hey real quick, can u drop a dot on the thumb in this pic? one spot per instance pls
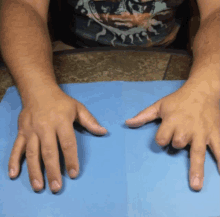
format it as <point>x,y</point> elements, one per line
<point>148,114</point>
<point>87,120</point>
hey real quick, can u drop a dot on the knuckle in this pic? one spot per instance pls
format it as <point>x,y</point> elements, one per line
<point>198,152</point>
<point>47,152</point>
<point>67,145</point>
<point>30,153</point>
<point>161,141</point>
<point>41,120</point>
<point>178,143</point>
<point>42,124</point>
<point>21,132</point>
<point>60,118</point>
<point>37,126</point>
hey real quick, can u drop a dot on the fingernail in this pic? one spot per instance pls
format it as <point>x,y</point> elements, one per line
<point>196,181</point>
<point>12,172</point>
<point>55,185</point>
<point>36,183</point>
<point>73,173</point>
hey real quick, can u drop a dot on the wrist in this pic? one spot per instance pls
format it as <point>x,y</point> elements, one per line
<point>205,79</point>
<point>204,87</point>
<point>39,93</point>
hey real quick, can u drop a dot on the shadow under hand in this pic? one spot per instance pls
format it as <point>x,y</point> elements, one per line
<point>81,149</point>
<point>170,149</point>
<point>82,152</point>
<point>26,181</point>
<point>82,156</point>
<point>153,146</point>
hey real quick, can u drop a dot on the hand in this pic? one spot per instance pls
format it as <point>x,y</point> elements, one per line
<point>189,118</point>
<point>39,123</point>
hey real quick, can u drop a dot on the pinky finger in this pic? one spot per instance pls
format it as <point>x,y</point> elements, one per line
<point>14,161</point>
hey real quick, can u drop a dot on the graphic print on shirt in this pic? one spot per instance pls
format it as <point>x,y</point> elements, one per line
<point>127,20</point>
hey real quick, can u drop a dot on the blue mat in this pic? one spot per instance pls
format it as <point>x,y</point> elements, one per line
<point>123,174</point>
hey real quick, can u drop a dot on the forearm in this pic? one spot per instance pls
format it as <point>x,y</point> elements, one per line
<point>26,49</point>
<point>205,71</point>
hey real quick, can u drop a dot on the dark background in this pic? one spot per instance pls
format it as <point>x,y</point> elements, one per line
<point>185,12</point>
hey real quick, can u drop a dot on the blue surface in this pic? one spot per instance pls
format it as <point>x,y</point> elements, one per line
<point>123,174</point>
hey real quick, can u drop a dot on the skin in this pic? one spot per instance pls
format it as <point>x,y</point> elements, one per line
<point>189,115</point>
<point>39,123</point>
<point>186,119</point>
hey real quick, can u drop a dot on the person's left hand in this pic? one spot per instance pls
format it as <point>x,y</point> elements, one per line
<point>188,117</point>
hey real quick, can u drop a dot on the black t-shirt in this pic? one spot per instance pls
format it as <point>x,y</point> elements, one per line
<point>119,23</point>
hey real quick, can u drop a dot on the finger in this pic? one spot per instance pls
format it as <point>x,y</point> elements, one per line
<point>215,146</point>
<point>181,138</point>
<point>33,163</point>
<point>165,133</point>
<point>197,159</point>
<point>86,119</point>
<point>50,156</point>
<point>17,152</point>
<point>146,115</point>
<point>68,143</point>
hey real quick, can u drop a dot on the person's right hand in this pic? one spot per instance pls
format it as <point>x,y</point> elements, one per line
<point>41,120</point>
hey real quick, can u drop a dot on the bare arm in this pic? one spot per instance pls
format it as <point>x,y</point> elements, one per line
<point>205,72</point>
<point>26,49</point>
<point>48,112</point>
